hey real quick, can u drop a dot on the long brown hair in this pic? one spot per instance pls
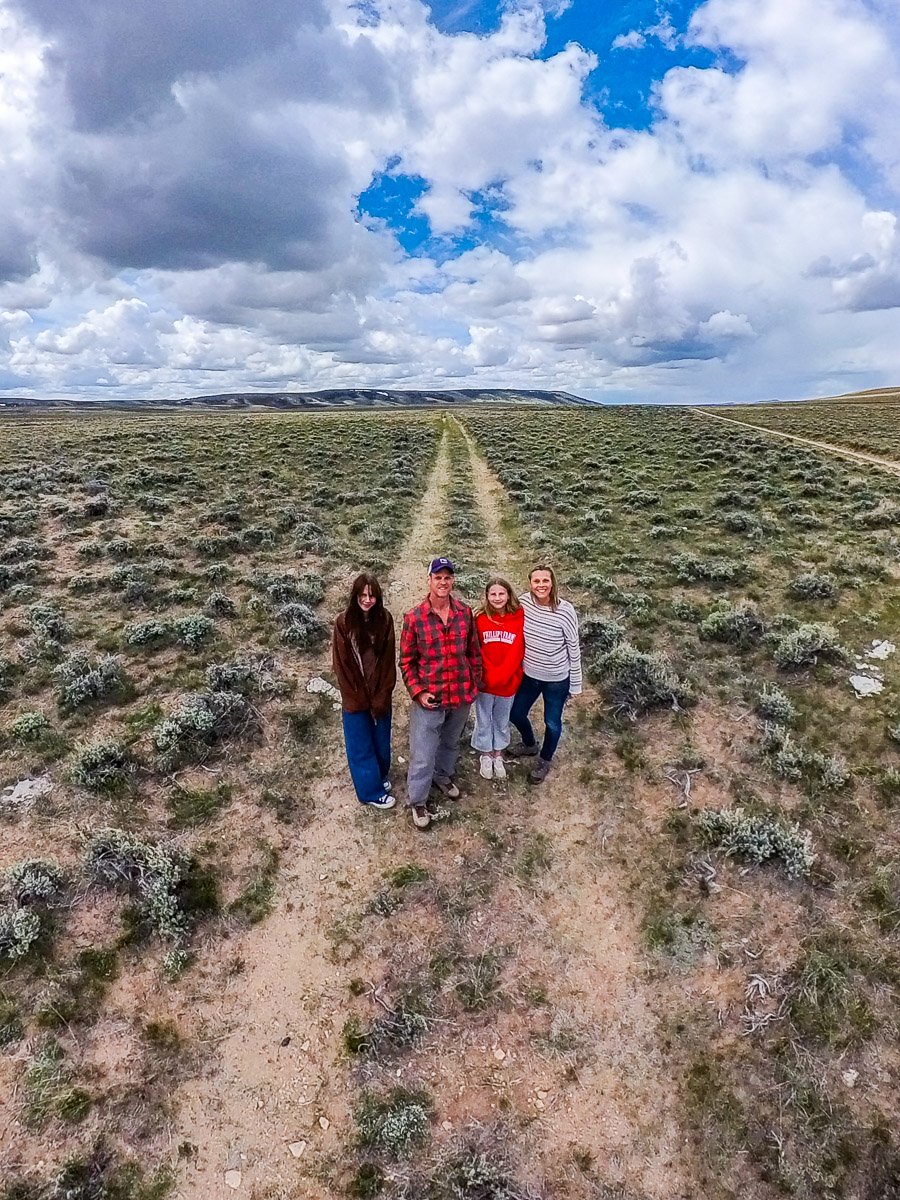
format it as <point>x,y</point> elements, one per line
<point>554,587</point>
<point>366,629</point>
<point>511,605</point>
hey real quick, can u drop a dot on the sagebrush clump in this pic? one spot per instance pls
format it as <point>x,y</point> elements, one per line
<point>101,765</point>
<point>153,873</point>
<point>772,704</point>
<point>396,1124</point>
<point>197,722</point>
<point>28,889</point>
<point>83,680</point>
<point>757,838</point>
<point>738,624</point>
<point>804,646</point>
<point>634,682</point>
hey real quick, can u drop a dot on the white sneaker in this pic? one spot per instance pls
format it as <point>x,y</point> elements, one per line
<point>499,768</point>
<point>385,801</point>
<point>388,786</point>
<point>487,767</point>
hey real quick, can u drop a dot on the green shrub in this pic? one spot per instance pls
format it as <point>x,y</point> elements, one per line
<point>740,625</point>
<point>813,587</point>
<point>803,647</point>
<point>634,682</point>
<point>49,1089</point>
<point>690,569</point>
<point>47,622</point>
<point>220,604</point>
<point>300,626</point>
<point>151,633</point>
<point>30,727</point>
<point>171,890</point>
<point>757,838</point>
<point>601,634</point>
<point>195,806</point>
<point>773,705</point>
<point>192,630</point>
<point>198,722</point>
<point>33,879</point>
<point>84,680</point>
<point>102,765</point>
<point>795,762</point>
<point>396,1124</point>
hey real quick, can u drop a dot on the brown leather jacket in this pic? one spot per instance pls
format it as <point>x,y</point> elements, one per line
<point>358,695</point>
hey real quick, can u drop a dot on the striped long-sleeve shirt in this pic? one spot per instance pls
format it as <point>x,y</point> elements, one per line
<point>552,648</point>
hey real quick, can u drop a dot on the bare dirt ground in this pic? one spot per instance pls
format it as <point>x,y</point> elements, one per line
<point>569,1063</point>
<point>853,455</point>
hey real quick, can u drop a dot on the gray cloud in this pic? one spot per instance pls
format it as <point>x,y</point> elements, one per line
<point>119,59</point>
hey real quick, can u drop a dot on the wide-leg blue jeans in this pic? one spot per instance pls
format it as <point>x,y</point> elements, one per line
<point>368,742</point>
<point>555,694</point>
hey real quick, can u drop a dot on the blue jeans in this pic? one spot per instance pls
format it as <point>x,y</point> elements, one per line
<point>368,742</point>
<point>555,696</point>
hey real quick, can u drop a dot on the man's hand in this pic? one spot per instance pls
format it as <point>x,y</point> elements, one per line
<point>427,699</point>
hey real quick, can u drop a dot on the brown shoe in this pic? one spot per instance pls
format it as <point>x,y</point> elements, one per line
<point>539,771</point>
<point>421,817</point>
<point>523,750</point>
<point>449,789</point>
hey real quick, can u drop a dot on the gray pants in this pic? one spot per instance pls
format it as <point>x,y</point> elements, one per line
<point>434,735</point>
<point>491,722</point>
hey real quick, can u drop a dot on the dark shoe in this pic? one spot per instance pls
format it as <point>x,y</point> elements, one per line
<point>384,801</point>
<point>449,789</point>
<point>421,817</point>
<point>539,771</point>
<point>523,750</point>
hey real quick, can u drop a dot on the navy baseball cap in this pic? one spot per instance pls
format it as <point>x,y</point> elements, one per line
<point>442,564</point>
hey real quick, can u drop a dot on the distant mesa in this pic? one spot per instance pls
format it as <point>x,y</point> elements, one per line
<point>331,398</point>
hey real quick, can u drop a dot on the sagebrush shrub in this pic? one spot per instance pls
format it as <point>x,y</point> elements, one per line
<point>804,646</point>
<point>151,872</point>
<point>147,633</point>
<point>220,604</point>
<point>691,569</point>
<point>30,727</point>
<point>82,680</point>
<point>773,705</point>
<point>635,682</point>
<point>396,1124</point>
<point>102,765</point>
<point>48,622</point>
<point>197,722</point>
<point>812,586</point>
<point>601,633</point>
<point>299,625</point>
<point>192,630</point>
<point>757,838</point>
<point>28,887</point>
<point>738,624</point>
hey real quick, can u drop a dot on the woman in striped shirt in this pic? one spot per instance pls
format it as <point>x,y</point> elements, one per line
<point>552,668</point>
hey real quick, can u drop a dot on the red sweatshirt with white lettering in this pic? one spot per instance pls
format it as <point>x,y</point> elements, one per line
<point>502,642</point>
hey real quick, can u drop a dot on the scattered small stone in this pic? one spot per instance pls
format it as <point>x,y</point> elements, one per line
<point>499,1054</point>
<point>233,1179</point>
<point>297,1148</point>
<point>539,1104</point>
<point>446,1126</point>
<point>259,1103</point>
<point>324,1122</point>
<point>541,1095</point>
<point>850,1077</point>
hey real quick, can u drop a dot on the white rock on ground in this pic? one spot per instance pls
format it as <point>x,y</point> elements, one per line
<point>24,793</point>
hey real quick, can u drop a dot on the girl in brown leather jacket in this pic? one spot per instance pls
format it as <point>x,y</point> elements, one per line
<point>364,661</point>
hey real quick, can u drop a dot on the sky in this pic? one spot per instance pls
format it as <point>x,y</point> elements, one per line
<point>656,201</point>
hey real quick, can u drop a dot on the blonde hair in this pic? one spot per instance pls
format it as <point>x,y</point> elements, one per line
<point>554,586</point>
<point>511,605</point>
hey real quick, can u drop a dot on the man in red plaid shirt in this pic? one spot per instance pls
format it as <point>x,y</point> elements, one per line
<point>440,661</point>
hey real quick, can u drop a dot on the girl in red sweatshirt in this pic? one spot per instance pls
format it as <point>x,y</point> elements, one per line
<point>500,623</point>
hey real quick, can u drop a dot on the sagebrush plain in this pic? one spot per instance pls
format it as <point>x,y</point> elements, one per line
<point>670,971</point>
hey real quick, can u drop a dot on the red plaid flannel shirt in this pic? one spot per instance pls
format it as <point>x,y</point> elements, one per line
<point>438,658</point>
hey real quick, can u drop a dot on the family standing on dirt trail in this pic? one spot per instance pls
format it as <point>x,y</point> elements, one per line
<point>501,659</point>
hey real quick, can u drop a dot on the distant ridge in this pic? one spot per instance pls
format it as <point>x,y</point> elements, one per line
<point>330,398</point>
<point>888,395</point>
